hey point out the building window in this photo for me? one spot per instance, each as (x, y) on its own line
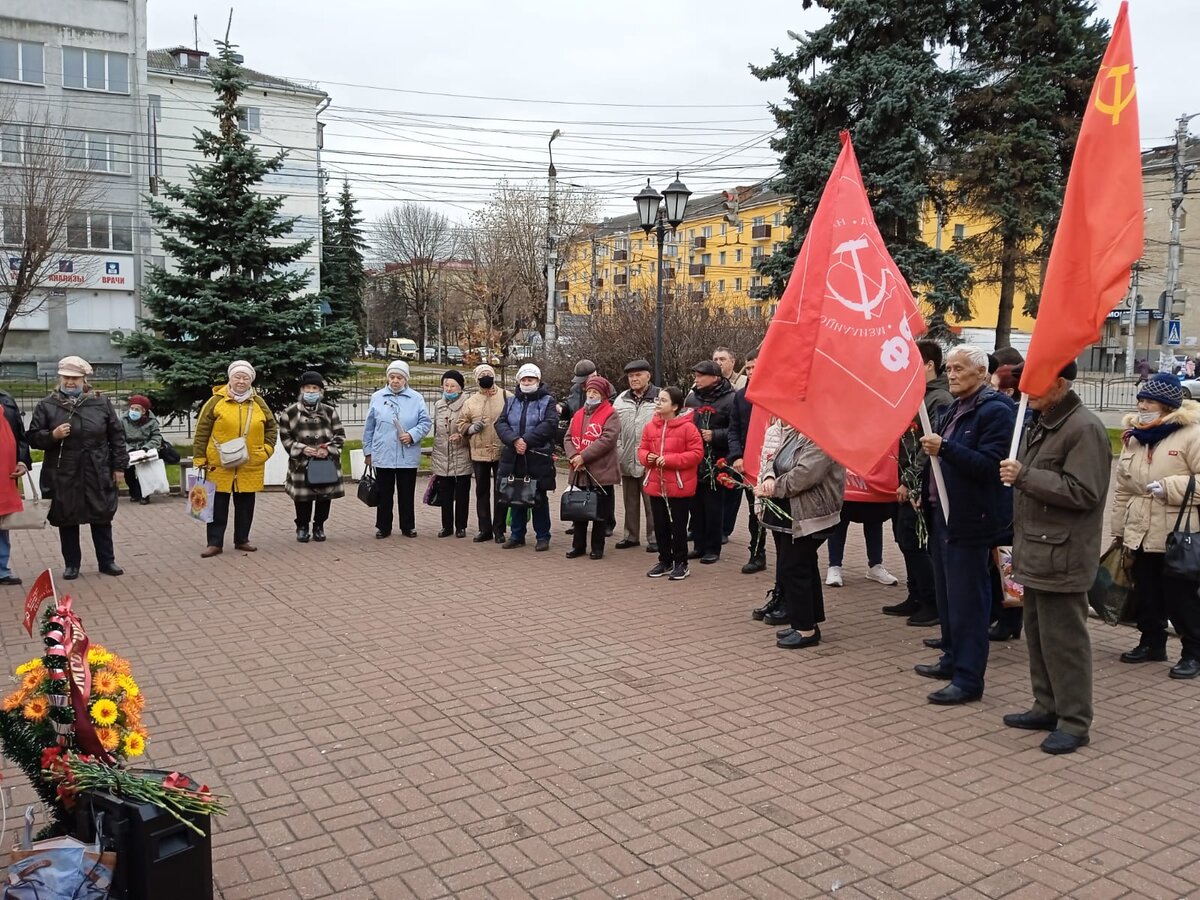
(98, 151)
(706, 259)
(707, 231)
(21, 61)
(637, 245)
(759, 220)
(100, 231)
(12, 226)
(95, 70)
(722, 229)
(721, 258)
(960, 231)
(720, 285)
(737, 255)
(250, 119)
(14, 144)
(777, 219)
(691, 235)
(671, 250)
(755, 281)
(737, 284)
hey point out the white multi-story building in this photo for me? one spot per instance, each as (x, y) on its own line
(79, 67)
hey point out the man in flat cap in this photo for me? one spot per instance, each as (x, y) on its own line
(636, 408)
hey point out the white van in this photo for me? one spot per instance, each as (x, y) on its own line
(402, 348)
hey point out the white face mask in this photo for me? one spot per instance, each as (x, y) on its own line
(1146, 416)
(529, 388)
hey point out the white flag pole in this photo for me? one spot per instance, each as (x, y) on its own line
(1017, 429)
(943, 497)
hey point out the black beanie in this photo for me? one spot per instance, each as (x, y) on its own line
(457, 376)
(311, 377)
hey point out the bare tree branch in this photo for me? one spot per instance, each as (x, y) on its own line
(421, 241)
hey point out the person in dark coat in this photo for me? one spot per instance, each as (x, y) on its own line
(311, 429)
(739, 431)
(711, 402)
(15, 457)
(528, 428)
(85, 451)
(972, 438)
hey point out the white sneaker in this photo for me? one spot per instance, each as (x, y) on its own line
(880, 574)
(834, 578)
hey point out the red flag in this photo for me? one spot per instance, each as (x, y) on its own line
(42, 589)
(754, 443)
(840, 361)
(1101, 232)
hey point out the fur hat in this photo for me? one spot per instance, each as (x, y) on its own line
(483, 371)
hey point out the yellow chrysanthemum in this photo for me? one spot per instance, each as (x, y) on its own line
(31, 680)
(131, 711)
(37, 709)
(135, 744)
(99, 656)
(14, 701)
(104, 712)
(105, 684)
(109, 738)
(35, 663)
(128, 685)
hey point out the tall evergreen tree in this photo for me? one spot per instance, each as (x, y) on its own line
(343, 278)
(873, 70)
(230, 292)
(1028, 70)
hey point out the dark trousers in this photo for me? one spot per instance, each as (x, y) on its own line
(316, 511)
(731, 503)
(1060, 657)
(1162, 597)
(454, 492)
(131, 482)
(102, 540)
(708, 511)
(872, 534)
(964, 616)
(798, 575)
(670, 516)
(243, 518)
(489, 511)
(403, 483)
(541, 519)
(605, 504)
(758, 533)
(918, 563)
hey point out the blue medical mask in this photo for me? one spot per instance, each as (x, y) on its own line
(134, 415)
(451, 396)
(590, 403)
(311, 397)
(72, 391)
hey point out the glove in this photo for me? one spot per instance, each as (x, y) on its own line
(475, 427)
(1157, 490)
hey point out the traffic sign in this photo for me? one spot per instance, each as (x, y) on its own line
(1174, 332)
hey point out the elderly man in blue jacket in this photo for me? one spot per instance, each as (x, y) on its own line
(973, 435)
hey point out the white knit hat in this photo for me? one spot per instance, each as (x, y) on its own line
(398, 365)
(529, 370)
(240, 365)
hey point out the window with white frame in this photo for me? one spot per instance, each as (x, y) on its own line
(95, 70)
(22, 61)
(759, 220)
(671, 250)
(12, 226)
(707, 231)
(737, 255)
(720, 285)
(14, 143)
(721, 258)
(777, 219)
(737, 284)
(98, 151)
(100, 231)
(250, 119)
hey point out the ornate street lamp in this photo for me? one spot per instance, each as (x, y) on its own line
(656, 216)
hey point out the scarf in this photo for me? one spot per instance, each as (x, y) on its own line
(10, 494)
(585, 437)
(240, 398)
(1149, 436)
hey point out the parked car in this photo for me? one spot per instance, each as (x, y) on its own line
(454, 354)
(1191, 388)
(430, 355)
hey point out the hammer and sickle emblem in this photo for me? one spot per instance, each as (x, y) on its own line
(1116, 75)
(866, 304)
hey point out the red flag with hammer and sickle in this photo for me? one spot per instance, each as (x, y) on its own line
(1101, 232)
(840, 361)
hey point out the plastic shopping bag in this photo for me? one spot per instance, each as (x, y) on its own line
(201, 494)
(152, 477)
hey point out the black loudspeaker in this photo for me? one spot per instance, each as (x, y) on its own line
(157, 855)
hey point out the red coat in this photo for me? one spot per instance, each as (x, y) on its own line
(679, 443)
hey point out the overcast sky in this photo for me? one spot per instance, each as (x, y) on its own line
(639, 89)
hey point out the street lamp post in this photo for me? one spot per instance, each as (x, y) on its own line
(551, 331)
(656, 215)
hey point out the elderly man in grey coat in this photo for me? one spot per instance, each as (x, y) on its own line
(1060, 476)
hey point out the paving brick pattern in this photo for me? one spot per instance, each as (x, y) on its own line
(434, 718)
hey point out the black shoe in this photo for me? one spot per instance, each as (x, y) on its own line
(652, 547)
(512, 543)
(952, 695)
(380, 535)
(625, 545)
(70, 573)
(575, 552)
(461, 533)
(410, 533)
(760, 612)
(907, 608)
(658, 571)
(482, 538)
(1060, 742)
(756, 564)
(776, 617)
(933, 643)
(302, 534)
(1185, 668)
(318, 532)
(445, 532)
(921, 619)
(596, 554)
(694, 554)
(500, 538)
(542, 546)
(1144, 653)
(937, 670)
(797, 641)
(10, 579)
(145, 501)
(709, 558)
(111, 569)
(678, 573)
(1031, 721)
(1000, 632)
(784, 632)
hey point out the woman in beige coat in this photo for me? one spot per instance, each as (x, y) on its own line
(1161, 454)
(477, 423)
(451, 461)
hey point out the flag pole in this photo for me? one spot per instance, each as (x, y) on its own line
(1017, 429)
(943, 497)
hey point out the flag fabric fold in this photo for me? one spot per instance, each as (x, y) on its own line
(1101, 231)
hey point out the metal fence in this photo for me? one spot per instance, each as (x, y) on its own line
(1100, 393)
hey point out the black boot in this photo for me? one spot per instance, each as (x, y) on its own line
(318, 532)
(302, 534)
(756, 564)
(761, 612)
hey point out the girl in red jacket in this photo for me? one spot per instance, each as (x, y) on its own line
(671, 450)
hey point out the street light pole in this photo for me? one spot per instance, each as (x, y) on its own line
(661, 230)
(551, 249)
(656, 215)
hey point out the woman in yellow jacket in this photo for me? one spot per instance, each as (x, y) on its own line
(233, 414)
(1161, 453)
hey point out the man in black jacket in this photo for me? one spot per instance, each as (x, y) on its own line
(739, 430)
(12, 415)
(711, 401)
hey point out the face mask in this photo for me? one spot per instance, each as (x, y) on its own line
(72, 391)
(450, 396)
(487, 382)
(1146, 417)
(311, 398)
(528, 388)
(134, 415)
(590, 403)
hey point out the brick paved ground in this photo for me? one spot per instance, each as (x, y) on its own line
(433, 718)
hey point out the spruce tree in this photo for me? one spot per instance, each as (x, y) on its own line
(342, 271)
(873, 69)
(1028, 71)
(230, 291)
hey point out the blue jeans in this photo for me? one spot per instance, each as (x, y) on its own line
(965, 616)
(541, 519)
(5, 553)
(872, 534)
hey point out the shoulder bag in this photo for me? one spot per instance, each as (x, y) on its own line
(32, 517)
(517, 490)
(579, 505)
(235, 451)
(368, 488)
(322, 472)
(1182, 557)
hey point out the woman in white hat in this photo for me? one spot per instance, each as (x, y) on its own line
(528, 429)
(84, 442)
(397, 420)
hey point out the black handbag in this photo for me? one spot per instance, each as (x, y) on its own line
(432, 496)
(322, 472)
(579, 505)
(517, 490)
(368, 488)
(169, 455)
(1182, 557)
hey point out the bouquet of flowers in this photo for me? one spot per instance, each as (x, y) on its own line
(731, 478)
(708, 468)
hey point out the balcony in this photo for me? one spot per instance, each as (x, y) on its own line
(759, 292)
(620, 255)
(700, 243)
(620, 280)
(668, 273)
(760, 232)
(696, 269)
(562, 285)
(598, 282)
